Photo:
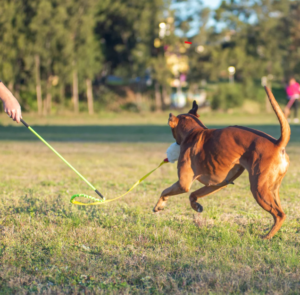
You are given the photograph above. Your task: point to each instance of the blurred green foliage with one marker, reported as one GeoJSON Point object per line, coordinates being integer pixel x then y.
{"type": "Point", "coordinates": [227, 96]}
{"type": "Point", "coordinates": [89, 40]}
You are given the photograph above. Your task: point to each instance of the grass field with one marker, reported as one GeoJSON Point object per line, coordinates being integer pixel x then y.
{"type": "Point", "coordinates": [49, 246]}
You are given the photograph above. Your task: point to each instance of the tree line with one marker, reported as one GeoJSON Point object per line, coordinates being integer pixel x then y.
{"type": "Point", "coordinates": [50, 47]}
{"type": "Point", "coordinates": [53, 50]}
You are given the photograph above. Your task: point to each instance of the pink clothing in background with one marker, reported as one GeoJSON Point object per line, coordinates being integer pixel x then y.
{"type": "Point", "coordinates": [292, 90]}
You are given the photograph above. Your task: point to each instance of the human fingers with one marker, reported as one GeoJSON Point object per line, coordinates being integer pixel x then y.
{"type": "Point", "coordinates": [8, 111]}
{"type": "Point", "coordinates": [18, 115]}
{"type": "Point", "coordinates": [13, 114]}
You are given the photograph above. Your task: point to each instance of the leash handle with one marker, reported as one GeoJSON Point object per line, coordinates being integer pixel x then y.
{"type": "Point", "coordinates": [24, 123]}
{"type": "Point", "coordinates": [62, 158]}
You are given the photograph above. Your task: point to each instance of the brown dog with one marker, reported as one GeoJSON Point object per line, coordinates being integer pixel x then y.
{"type": "Point", "coordinates": [216, 157]}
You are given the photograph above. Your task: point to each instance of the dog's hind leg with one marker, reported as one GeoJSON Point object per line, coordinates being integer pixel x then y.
{"type": "Point", "coordinates": [267, 196]}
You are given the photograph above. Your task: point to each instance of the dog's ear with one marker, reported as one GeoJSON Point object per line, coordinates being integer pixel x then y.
{"type": "Point", "coordinates": [173, 121]}
{"type": "Point", "coordinates": [194, 109]}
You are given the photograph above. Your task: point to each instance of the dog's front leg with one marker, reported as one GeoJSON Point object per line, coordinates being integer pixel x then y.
{"type": "Point", "coordinates": [176, 189]}
{"type": "Point", "coordinates": [208, 190]}
{"type": "Point", "coordinates": [200, 193]}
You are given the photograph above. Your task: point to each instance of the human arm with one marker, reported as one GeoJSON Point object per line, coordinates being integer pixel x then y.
{"type": "Point", "coordinates": [10, 104]}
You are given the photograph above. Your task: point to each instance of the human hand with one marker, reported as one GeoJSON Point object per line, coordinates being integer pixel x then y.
{"type": "Point", "coordinates": [12, 108]}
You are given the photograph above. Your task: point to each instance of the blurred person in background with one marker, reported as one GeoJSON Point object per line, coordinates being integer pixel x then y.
{"type": "Point", "coordinates": [293, 95]}
{"type": "Point", "coordinates": [10, 103]}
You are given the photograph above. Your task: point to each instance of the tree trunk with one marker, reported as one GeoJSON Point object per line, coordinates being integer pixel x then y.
{"type": "Point", "coordinates": [16, 91]}
{"type": "Point", "coordinates": [138, 95]}
{"type": "Point", "coordinates": [38, 84]}
{"type": "Point", "coordinates": [138, 98]}
{"type": "Point", "coordinates": [89, 94]}
{"type": "Point", "coordinates": [269, 84]}
{"type": "Point", "coordinates": [166, 101]}
{"type": "Point", "coordinates": [75, 91]}
{"type": "Point", "coordinates": [268, 104]}
{"type": "Point", "coordinates": [11, 86]}
{"type": "Point", "coordinates": [45, 106]}
{"type": "Point", "coordinates": [17, 94]}
{"type": "Point", "coordinates": [157, 97]}
{"type": "Point", "coordinates": [62, 95]}
{"type": "Point", "coordinates": [48, 104]}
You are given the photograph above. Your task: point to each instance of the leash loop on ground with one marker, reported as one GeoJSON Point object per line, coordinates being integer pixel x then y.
{"type": "Point", "coordinates": [103, 201]}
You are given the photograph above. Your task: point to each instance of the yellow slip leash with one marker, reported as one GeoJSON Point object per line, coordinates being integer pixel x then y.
{"type": "Point", "coordinates": [97, 201]}
{"type": "Point", "coordinates": [100, 202]}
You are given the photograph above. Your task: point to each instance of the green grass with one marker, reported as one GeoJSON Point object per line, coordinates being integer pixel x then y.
{"type": "Point", "coordinates": [144, 118]}
{"type": "Point", "coordinates": [49, 246]}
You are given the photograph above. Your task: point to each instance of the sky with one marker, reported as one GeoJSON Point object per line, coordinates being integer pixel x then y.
{"type": "Point", "coordinates": [211, 3]}
{"type": "Point", "coordinates": [190, 5]}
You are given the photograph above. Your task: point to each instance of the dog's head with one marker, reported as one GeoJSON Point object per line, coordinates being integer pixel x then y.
{"type": "Point", "coordinates": [185, 122]}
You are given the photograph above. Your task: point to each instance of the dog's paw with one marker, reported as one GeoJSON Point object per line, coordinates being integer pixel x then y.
{"type": "Point", "coordinates": [199, 208]}
{"type": "Point", "coordinates": [157, 209]}
{"type": "Point", "coordinates": [266, 237]}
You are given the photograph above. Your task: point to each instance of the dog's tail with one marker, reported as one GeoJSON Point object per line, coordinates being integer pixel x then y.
{"type": "Point", "coordinates": [285, 127]}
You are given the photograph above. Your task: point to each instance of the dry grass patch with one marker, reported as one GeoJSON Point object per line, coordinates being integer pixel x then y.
{"type": "Point", "coordinates": [49, 246]}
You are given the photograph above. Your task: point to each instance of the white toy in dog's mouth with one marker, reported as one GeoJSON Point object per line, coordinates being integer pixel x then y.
{"type": "Point", "coordinates": [173, 152]}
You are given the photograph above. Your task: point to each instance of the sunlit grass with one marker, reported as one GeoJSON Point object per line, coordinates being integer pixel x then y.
{"type": "Point", "coordinates": [152, 118]}
{"type": "Point", "coordinates": [50, 245]}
